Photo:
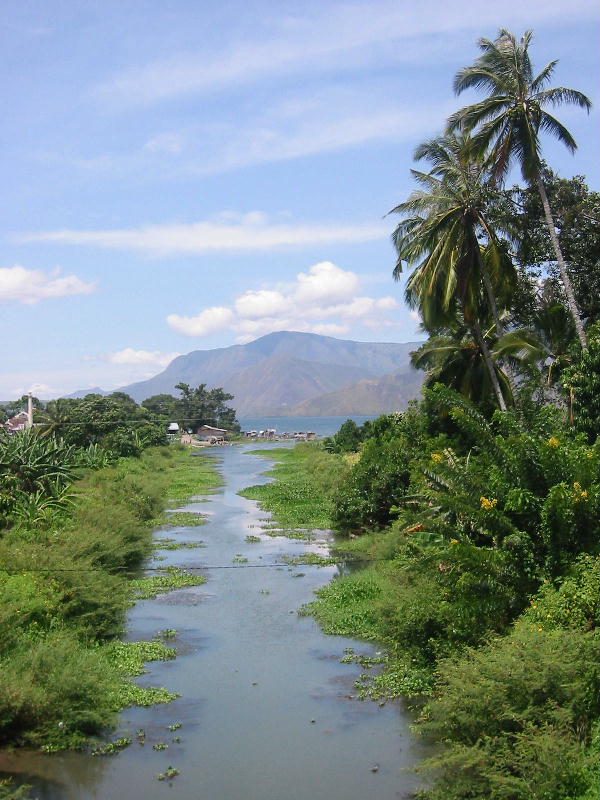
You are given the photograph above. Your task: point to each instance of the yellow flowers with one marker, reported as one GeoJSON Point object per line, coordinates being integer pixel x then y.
{"type": "Point", "coordinates": [453, 541]}
{"type": "Point", "coordinates": [486, 503]}
{"type": "Point", "coordinates": [437, 457]}
{"type": "Point", "coordinates": [553, 441]}
{"type": "Point", "coordinates": [579, 493]}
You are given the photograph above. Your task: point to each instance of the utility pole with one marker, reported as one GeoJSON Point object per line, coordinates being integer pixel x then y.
{"type": "Point", "coordinates": [29, 410]}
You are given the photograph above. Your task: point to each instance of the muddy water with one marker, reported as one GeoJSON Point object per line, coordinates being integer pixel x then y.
{"type": "Point", "coordinates": [266, 709]}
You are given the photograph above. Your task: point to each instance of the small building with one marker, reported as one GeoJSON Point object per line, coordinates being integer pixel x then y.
{"type": "Point", "coordinates": [212, 434]}
{"type": "Point", "coordinates": [18, 422]}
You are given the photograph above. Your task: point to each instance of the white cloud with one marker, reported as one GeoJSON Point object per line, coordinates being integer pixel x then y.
{"type": "Point", "coordinates": [208, 321]}
{"type": "Point", "coordinates": [261, 303]}
{"type": "Point", "coordinates": [31, 285]}
{"type": "Point", "coordinates": [41, 390]}
{"type": "Point", "coordinates": [326, 283]}
{"type": "Point", "coordinates": [171, 142]}
{"type": "Point", "coordinates": [247, 232]}
{"type": "Point", "coordinates": [130, 356]}
{"type": "Point", "coordinates": [322, 300]}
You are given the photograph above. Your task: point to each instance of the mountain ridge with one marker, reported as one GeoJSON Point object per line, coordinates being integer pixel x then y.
{"type": "Point", "coordinates": [287, 370]}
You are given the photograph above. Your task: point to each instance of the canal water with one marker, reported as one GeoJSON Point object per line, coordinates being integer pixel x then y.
{"type": "Point", "coordinates": [267, 710]}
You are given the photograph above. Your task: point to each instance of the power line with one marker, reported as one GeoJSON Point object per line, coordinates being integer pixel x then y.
{"type": "Point", "coordinates": [185, 568]}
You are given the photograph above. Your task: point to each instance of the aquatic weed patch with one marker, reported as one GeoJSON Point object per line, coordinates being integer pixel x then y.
{"type": "Point", "coordinates": [174, 544]}
{"type": "Point", "coordinates": [300, 496]}
{"type": "Point", "coordinates": [172, 578]}
{"type": "Point", "coordinates": [310, 559]}
{"type": "Point", "coordinates": [178, 519]}
{"type": "Point", "coordinates": [191, 476]}
{"type": "Point", "coordinates": [129, 657]}
{"type": "Point", "coordinates": [129, 660]}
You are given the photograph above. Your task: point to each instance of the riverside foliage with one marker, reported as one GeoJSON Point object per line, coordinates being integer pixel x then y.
{"type": "Point", "coordinates": [66, 584]}
{"type": "Point", "coordinates": [482, 585]}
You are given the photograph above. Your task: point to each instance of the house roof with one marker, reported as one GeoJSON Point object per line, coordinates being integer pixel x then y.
{"type": "Point", "coordinates": [211, 428]}
{"type": "Point", "coordinates": [17, 422]}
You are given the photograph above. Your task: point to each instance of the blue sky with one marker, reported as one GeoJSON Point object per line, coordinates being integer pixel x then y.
{"type": "Point", "coordinates": [187, 175]}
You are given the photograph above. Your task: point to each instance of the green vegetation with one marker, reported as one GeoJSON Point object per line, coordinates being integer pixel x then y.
{"type": "Point", "coordinates": [67, 579]}
{"type": "Point", "coordinates": [173, 578]}
{"type": "Point", "coordinates": [195, 407]}
{"type": "Point", "coordinates": [482, 587]}
{"type": "Point", "coordinates": [181, 519]}
{"type": "Point", "coordinates": [300, 495]}
{"type": "Point", "coordinates": [175, 544]}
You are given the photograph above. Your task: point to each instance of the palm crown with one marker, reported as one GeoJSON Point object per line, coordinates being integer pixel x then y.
{"type": "Point", "coordinates": [513, 115]}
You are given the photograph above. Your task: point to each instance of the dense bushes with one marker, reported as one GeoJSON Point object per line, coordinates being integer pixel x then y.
{"type": "Point", "coordinates": [64, 592]}
{"type": "Point", "coordinates": [483, 587]}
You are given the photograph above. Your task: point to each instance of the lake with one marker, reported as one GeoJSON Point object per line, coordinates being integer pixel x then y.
{"type": "Point", "coordinates": [322, 426]}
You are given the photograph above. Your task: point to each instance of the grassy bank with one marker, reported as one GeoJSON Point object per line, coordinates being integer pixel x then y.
{"type": "Point", "coordinates": [65, 587]}
{"type": "Point", "coordinates": [299, 499]}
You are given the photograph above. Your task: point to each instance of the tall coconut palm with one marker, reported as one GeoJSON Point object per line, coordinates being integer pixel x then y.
{"type": "Point", "coordinates": [440, 234]}
{"type": "Point", "coordinates": [509, 121]}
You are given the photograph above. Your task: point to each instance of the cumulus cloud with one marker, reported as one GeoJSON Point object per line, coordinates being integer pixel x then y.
{"type": "Point", "coordinates": [324, 300]}
{"type": "Point", "coordinates": [130, 356]}
{"type": "Point", "coordinates": [227, 232]}
{"type": "Point", "coordinates": [208, 321]}
{"type": "Point", "coordinates": [32, 285]}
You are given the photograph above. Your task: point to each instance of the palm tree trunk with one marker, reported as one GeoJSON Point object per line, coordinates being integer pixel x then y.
{"type": "Point", "coordinates": [491, 299]}
{"type": "Point", "coordinates": [571, 302]}
{"type": "Point", "coordinates": [478, 336]}
{"type": "Point", "coordinates": [494, 309]}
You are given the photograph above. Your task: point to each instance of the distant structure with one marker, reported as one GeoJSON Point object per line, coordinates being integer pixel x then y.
{"type": "Point", "coordinates": [211, 434]}
{"type": "Point", "coordinates": [271, 434]}
{"type": "Point", "coordinates": [18, 422]}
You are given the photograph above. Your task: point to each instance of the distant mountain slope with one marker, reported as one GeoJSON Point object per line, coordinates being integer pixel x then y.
{"type": "Point", "coordinates": [280, 381]}
{"type": "Point", "coordinates": [284, 369]}
{"type": "Point", "coordinates": [367, 396]}
{"type": "Point", "coordinates": [84, 392]}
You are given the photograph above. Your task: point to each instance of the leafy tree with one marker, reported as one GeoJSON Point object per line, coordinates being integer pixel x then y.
{"type": "Point", "coordinates": [114, 421]}
{"type": "Point", "coordinates": [346, 440]}
{"type": "Point", "coordinates": [451, 356]}
{"type": "Point", "coordinates": [582, 381]}
{"type": "Point", "coordinates": [576, 216]}
{"type": "Point", "coordinates": [508, 122]}
{"type": "Point", "coordinates": [163, 405]}
{"type": "Point", "coordinates": [202, 406]}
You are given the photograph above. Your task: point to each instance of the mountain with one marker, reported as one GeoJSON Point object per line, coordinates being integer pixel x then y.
{"type": "Point", "coordinates": [83, 392]}
{"type": "Point", "coordinates": [280, 380]}
{"type": "Point", "coordinates": [278, 373]}
{"type": "Point", "coordinates": [367, 396]}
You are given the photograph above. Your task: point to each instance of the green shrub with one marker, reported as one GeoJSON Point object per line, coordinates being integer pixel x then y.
{"type": "Point", "coordinates": [55, 692]}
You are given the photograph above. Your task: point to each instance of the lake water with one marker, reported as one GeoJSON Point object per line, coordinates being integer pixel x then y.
{"type": "Point", "coordinates": [322, 426]}
{"type": "Point", "coordinates": [267, 710]}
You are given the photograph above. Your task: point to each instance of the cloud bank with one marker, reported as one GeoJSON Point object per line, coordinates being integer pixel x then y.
{"type": "Point", "coordinates": [227, 232]}
{"type": "Point", "coordinates": [324, 300]}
